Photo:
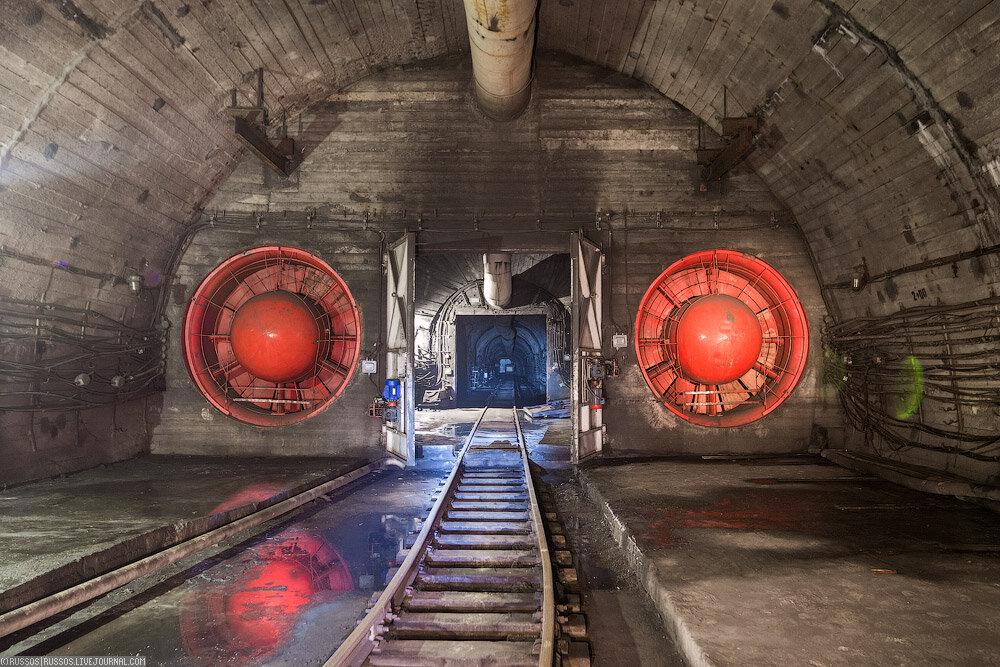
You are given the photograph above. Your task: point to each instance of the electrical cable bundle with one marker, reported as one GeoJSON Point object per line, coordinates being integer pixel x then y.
{"type": "Point", "coordinates": [57, 357]}
{"type": "Point", "coordinates": [923, 377]}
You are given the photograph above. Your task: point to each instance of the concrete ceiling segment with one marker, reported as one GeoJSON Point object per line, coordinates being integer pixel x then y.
{"type": "Point", "coordinates": [881, 127]}
{"type": "Point", "coordinates": [113, 129]}
{"type": "Point", "coordinates": [881, 131]}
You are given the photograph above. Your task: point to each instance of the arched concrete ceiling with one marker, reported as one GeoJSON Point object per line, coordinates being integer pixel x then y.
{"type": "Point", "coordinates": [881, 129]}
{"type": "Point", "coordinates": [113, 127]}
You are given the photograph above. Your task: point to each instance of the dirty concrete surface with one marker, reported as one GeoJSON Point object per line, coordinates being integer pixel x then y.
{"type": "Point", "coordinates": [47, 524]}
{"type": "Point", "coordinates": [783, 561]}
{"type": "Point", "coordinates": [800, 562]}
{"type": "Point", "coordinates": [623, 626]}
{"type": "Point", "coordinates": [289, 591]}
{"type": "Point", "coordinates": [284, 593]}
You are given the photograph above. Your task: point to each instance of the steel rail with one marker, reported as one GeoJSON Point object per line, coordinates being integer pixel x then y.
{"type": "Point", "coordinates": [46, 607]}
{"type": "Point", "coordinates": [359, 644]}
{"type": "Point", "coordinates": [546, 654]}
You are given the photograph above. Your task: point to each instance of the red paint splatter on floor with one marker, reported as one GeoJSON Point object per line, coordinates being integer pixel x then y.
{"type": "Point", "coordinates": [750, 511]}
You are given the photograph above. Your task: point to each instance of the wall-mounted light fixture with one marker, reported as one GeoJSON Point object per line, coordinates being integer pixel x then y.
{"type": "Point", "coordinates": [859, 279]}
{"type": "Point", "coordinates": [135, 282]}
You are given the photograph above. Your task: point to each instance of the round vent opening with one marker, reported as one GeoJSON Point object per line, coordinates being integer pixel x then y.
{"type": "Point", "coordinates": [721, 338]}
{"type": "Point", "coordinates": [271, 336]}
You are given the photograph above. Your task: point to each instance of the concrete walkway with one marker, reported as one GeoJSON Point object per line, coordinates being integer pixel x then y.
{"type": "Point", "coordinates": [56, 533]}
{"type": "Point", "coordinates": [805, 564]}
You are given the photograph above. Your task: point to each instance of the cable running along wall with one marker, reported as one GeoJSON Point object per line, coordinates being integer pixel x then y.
{"type": "Point", "coordinates": [922, 378]}
{"type": "Point", "coordinates": [55, 357]}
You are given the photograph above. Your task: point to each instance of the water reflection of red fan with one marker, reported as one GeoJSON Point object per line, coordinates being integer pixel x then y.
{"type": "Point", "coordinates": [251, 494]}
{"type": "Point", "coordinates": [252, 612]}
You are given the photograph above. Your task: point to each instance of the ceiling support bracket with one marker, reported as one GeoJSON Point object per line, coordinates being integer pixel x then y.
{"type": "Point", "coordinates": [739, 135]}
{"type": "Point", "coordinates": [250, 125]}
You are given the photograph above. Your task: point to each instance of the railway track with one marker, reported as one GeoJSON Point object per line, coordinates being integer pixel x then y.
{"type": "Point", "coordinates": [476, 587]}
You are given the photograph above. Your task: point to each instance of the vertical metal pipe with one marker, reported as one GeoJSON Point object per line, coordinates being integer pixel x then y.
{"type": "Point", "coordinates": [502, 38]}
{"type": "Point", "coordinates": [497, 279]}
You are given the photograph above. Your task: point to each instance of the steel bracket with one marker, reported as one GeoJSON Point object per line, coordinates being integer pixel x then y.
{"type": "Point", "coordinates": [250, 123]}
{"type": "Point", "coordinates": [739, 135]}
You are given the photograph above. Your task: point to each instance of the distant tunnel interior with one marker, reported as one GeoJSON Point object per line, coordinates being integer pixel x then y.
{"type": "Point", "coordinates": [470, 353]}
{"type": "Point", "coordinates": [500, 356]}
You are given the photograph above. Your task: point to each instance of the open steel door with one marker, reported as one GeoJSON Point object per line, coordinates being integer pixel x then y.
{"type": "Point", "coordinates": [587, 267]}
{"type": "Point", "coordinates": [399, 435]}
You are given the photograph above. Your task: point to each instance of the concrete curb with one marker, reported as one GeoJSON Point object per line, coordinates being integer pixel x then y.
{"type": "Point", "coordinates": [913, 477]}
{"type": "Point", "coordinates": [139, 546]}
{"type": "Point", "coordinates": [29, 614]}
{"type": "Point", "coordinates": [649, 578]}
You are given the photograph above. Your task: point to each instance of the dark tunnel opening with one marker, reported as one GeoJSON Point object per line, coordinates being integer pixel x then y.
{"type": "Point", "coordinates": [500, 356]}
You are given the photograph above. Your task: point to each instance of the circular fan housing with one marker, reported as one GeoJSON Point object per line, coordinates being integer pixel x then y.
{"type": "Point", "coordinates": [271, 336]}
{"type": "Point", "coordinates": [721, 338]}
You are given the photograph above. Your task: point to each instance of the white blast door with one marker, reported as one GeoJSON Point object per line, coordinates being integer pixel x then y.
{"type": "Point", "coordinates": [399, 435]}
{"type": "Point", "coordinates": [587, 267]}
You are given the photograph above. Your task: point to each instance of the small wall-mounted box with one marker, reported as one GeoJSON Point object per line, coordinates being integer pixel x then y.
{"type": "Point", "coordinates": [618, 341]}
{"type": "Point", "coordinates": [369, 366]}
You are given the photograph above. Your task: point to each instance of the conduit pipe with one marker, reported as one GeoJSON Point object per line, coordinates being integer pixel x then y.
{"type": "Point", "coordinates": [497, 279]}
{"type": "Point", "coordinates": [502, 37]}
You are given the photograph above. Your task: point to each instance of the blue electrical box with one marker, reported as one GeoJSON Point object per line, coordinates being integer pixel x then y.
{"type": "Point", "coordinates": [391, 392]}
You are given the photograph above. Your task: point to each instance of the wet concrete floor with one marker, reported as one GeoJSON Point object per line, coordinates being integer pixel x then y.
{"type": "Point", "coordinates": [781, 562]}
{"type": "Point", "coordinates": [805, 563]}
{"type": "Point", "coordinates": [292, 589]}
{"type": "Point", "coordinates": [285, 594]}
{"type": "Point", "coordinates": [48, 524]}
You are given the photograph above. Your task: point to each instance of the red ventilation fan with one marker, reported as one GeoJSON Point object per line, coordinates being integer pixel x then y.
{"type": "Point", "coordinates": [271, 336]}
{"type": "Point", "coordinates": [721, 338]}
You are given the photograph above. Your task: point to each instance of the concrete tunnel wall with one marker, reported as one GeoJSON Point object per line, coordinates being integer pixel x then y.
{"type": "Point", "coordinates": [409, 138]}
{"type": "Point", "coordinates": [881, 133]}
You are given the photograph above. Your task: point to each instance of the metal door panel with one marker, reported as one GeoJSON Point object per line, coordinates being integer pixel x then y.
{"type": "Point", "coordinates": [587, 266]}
{"type": "Point", "coordinates": [399, 437]}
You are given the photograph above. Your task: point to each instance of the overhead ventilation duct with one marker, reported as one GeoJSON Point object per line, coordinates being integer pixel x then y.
{"type": "Point", "coordinates": [502, 37]}
{"type": "Point", "coordinates": [496, 279]}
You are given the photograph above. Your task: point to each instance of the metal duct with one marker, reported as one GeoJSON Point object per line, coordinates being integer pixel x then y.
{"type": "Point", "coordinates": [496, 279]}
{"type": "Point", "coordinates": [502, 36]}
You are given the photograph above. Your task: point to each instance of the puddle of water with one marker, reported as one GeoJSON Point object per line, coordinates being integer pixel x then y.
{"type": "Point", "coordinates": [253, 613]}
{"type": "Point", "coordinates": [254, 603]}
{"type": "Point", "coordinates": [455, 430]}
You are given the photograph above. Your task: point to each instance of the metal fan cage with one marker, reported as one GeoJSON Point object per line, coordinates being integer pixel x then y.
{"type": "Point", "coordinates": [208, 319]}
{"type": "Point", "coordinates": [784, 347]}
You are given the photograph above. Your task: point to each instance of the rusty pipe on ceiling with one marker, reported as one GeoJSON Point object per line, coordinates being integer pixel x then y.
{"type": "Point", "coordinates": [502, 37]}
